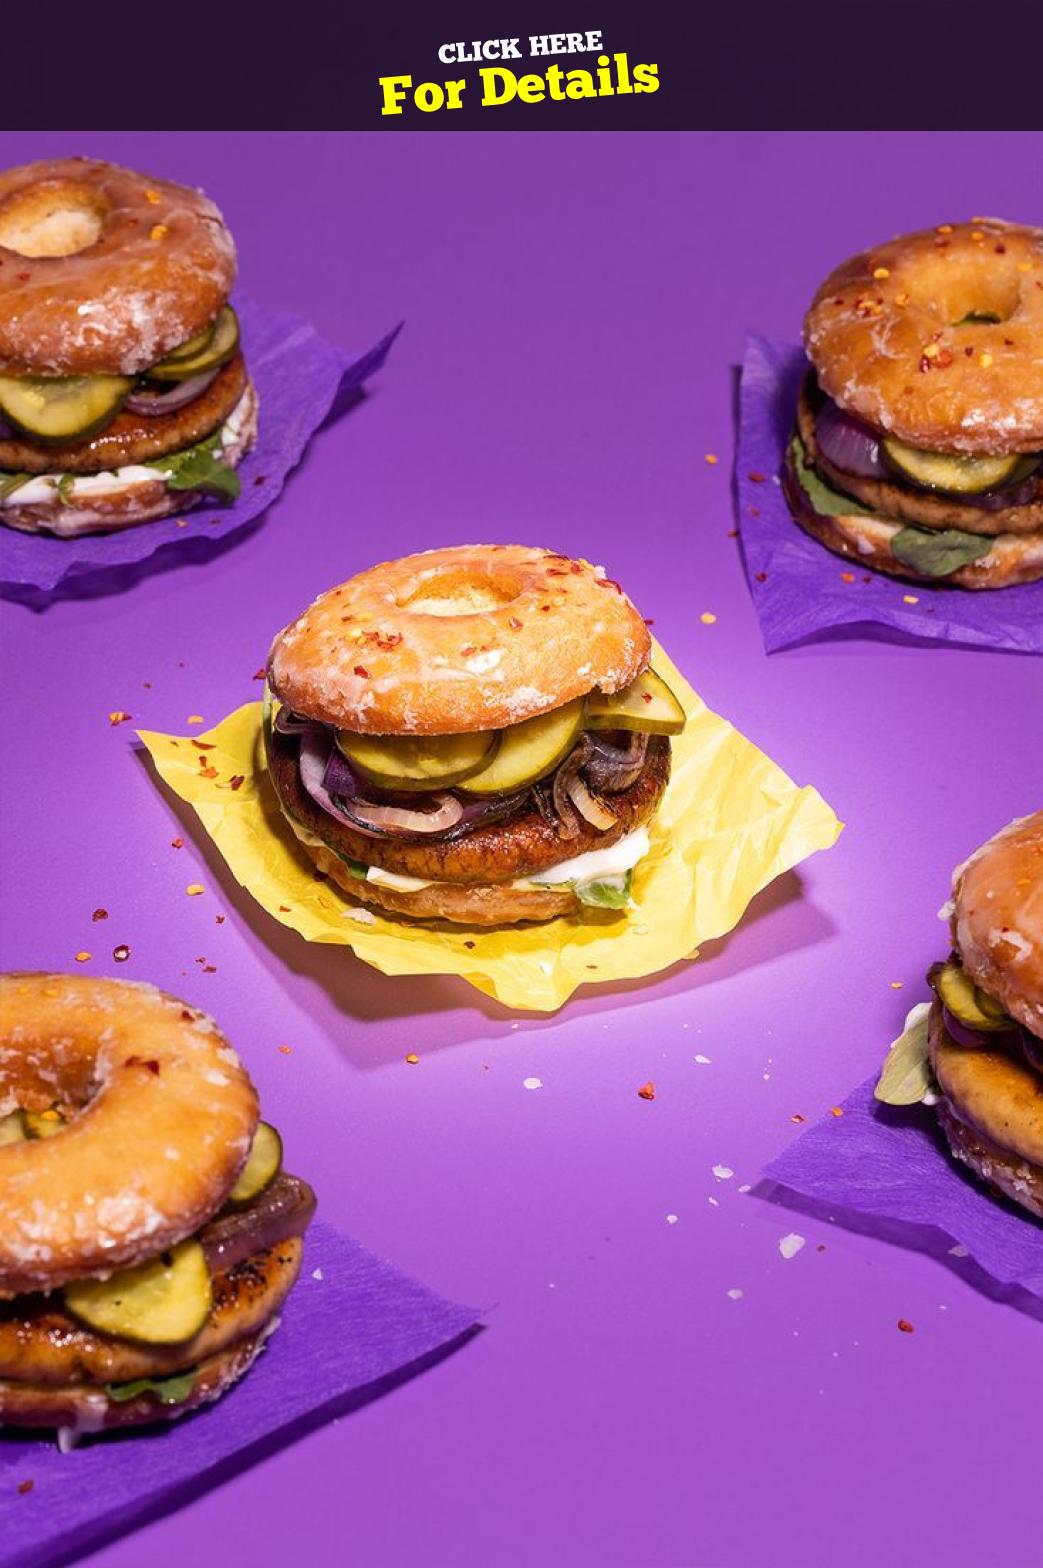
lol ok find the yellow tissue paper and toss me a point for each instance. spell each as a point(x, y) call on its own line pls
point(729, 822)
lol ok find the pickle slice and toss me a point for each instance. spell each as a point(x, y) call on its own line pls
point(959, 473)
point(216, 351)
point(12, 1128)
point(646, 704)
point(418, 762)
point(262, 1165)
point(42, 1124)
point(191, 346)
point(162, 1302)
point(964, 1000)
point(529, 751)
point(53, 409)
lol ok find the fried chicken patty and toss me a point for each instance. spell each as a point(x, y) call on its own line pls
point(523, 846)
point(132, 438)
point(925, 508)
point(40, 1342)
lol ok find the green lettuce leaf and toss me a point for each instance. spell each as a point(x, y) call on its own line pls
point(938, 552)
point(825, 500)
point(9, 483)
point(907, 1077)
point(168, 1390)
point(199, 468)
point(63, 484)
point(606, 893)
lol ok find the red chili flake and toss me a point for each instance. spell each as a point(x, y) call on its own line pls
point(468, 943)
point(118, 717)
point(905, 1326)
point(836, 1110)
point(383, 640)
point(797, 1117)
point(937, 361)
point(755, 478)
point(467, 650)
point(260, 479)
point(761, 577)
point(514, 623)
point(177, 843)
point(237, 781)
point(608, 582)
point(647, 1091)
point(202, 745)
point(219, 920)
point(754, 511)
point(557, 571)
point(839, 300)
point(647, 621)
point(362, 672)
point(121, 953)
point(187, 1015)
point(205, 772)
point(576, 567)
point(23, 277)
point(24, 1487)
point(100, 914)
point(646, 696)
point(1001, 250)
point(285, 909)
point(260, 674)
point(284, 1050)
point(821, 1247)
point(544, 607)
point(210, 969)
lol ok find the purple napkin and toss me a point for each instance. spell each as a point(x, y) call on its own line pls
point(301, 380)
point(351, 1326)
point(797, 585)
point(886, 1170)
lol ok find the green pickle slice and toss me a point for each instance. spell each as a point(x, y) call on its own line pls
point(958, 473)
point(263, 1164)
point(646, 704)
point(162, 1302)
point(530, 750)
point(973, 1007)
point(219, 346)
point(418, 762)
point(55, 409)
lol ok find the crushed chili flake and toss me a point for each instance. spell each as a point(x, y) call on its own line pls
point(177, 843)
point(284, 1050)
point(83, 957)
point(362, 672)
point(847, 577)
point(761, 577)
point(836, 1110)
point(468, 943)
point(259, 675)
point(181, 522)
point(647, 1091)
point(514, 623)
point(412, 1058)
point(201, 745)
point(219, 920)
point(905, 1326)
point(754, 477)
point(237, 781)
point(121, 953)
point(711, 458)
point(194, 889)
point(385, 641)
point(117, 716)
point(205, 772)
point(100, 914)
point(24, 1487)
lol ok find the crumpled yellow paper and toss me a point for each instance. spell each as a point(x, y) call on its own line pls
point(729, 823)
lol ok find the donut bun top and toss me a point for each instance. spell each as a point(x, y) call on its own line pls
point(997, 919)
point(888, 336)
point(102, 270)
point(476, 637)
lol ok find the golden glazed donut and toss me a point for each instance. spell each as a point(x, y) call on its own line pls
point(161, 1117)
point(998, 920)
point(472, 638)
point(889, 337)
point(103, 270)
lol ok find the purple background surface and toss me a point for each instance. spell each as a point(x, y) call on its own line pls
point(575, 307)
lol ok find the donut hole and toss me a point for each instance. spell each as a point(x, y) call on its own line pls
point(976, 293)
point(52, 218)
point(457, 591)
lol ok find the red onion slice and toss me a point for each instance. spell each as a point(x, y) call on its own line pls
point(612, 769)
point(325, 772)
point(980, 1039)
point(848, 444)
point(154, 404)
point(282, 1210)
point(589, 806)
point(400, 819)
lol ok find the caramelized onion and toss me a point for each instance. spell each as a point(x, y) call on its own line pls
point(153, 404)
point(282, 1210)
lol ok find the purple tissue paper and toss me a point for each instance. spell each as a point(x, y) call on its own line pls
point(301, 380)
point(886, 1170)
point(351, 1326)
point(796, 583)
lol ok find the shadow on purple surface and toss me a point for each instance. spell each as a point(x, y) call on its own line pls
point(87, 1539)
point(779, 920)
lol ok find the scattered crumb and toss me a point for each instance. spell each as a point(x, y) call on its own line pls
point(647, 1090)
point(708, 618)
point(284, 1050)
point(83, 957)
point(712, 459)
point(118, 717)
point(959, 1251)
point(723, 1172)
point(704, 1061)
point(121, 953)
point(735, 1293)
point(100, 914)
point(532, 1083)
point(836, 1110)
point(790, 1245)
point(177, 843)
point(317, 1274)
point(745, 1187)
point(905, 1326)
point(194, 889)
point(910, 598)
point(797, 1117)
point(194, 718)
point(671, 1219)
point(896, 985)
point(412, 1058)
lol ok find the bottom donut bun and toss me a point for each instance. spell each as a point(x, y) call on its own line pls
point(106, 502)
point(867, 539)
point(990, 1107)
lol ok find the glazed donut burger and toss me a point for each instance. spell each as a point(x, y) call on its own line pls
point(123, 391)
point(148, 1234)
point(919, 440)
point(472, 734)
point(983, 1041)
